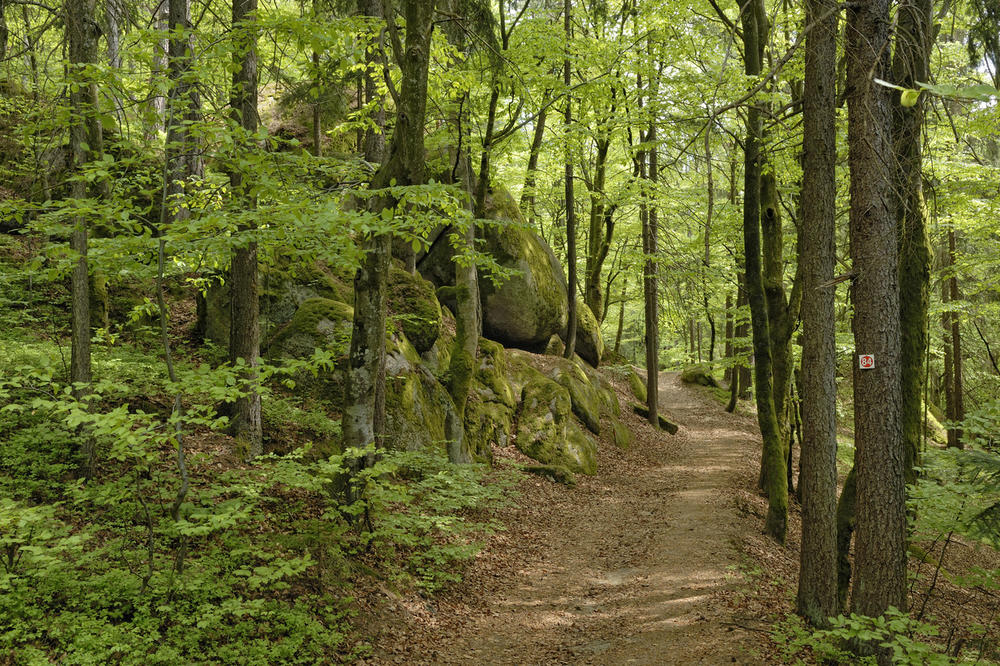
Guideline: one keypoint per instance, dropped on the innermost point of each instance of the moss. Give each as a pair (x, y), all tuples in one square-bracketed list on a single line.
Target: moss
[(491, 374), (319, 322), (556, 473), (530, 306), (417, 407), (637, 386), (585, 400), (546, 431), (621, 434), (699, 374), (665, 423), (556, 347), (414, 308), (589, 344), (487, 424)]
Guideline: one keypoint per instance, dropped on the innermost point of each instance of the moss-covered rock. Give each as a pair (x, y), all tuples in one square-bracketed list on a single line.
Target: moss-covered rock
[(621, 434), (586, 402), (527, 309), (699, 374), (319, 323), (491, 383), (665, 423), (547, 432), (637, 385), (556, 473), (416, 404), (414, 308), (555, 347), (437, 359), (487, 424), (589, 344), (605, 392)]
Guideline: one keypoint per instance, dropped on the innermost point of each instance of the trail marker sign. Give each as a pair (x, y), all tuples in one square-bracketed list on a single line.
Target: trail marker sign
[(866, 361)]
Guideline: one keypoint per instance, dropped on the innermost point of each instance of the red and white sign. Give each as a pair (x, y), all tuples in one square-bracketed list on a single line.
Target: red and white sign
[(866, 361)]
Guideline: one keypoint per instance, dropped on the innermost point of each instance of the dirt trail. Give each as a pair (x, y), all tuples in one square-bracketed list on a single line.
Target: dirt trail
[(635, 566)]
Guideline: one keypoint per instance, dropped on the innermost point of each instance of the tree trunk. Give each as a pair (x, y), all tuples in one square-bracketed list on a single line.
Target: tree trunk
[(754, 37), (621, 317), (570, 202), (601, 228), (817, 599), (956, 348), (706, 265), (880, 553), (727, 375), (911, 63), (244, 332), (85, 145), (373, 141), (948, 346), (529, 191), (364, 412), (650, 285), (158, 102)]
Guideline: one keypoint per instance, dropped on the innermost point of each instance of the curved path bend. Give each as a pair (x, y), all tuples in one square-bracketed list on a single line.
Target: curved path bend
[(635, 566)]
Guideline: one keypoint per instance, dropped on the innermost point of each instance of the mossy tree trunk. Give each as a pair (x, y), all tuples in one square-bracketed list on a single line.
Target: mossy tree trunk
[(817, 598), (602, 225), (570, 198), (404, 162), (880, 552), (85, 139), (782, 312), (754, 24), (958, 395), (911, 63), (244, 337), (529, 192)]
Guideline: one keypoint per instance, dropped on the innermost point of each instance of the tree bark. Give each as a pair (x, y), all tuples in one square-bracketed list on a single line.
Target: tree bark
[(911, 63), (85, 145), (754, 25), (244, 332), (570, 201), (529, 192), (817, 599), (363, 422), (728, 374), (956, 346), (880, 553)]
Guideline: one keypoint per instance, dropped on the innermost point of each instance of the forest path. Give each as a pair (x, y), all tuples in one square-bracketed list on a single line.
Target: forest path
[(634, 566)]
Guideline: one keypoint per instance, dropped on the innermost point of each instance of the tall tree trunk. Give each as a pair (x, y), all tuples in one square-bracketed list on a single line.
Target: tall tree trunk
[(601, 228), (728, 374), (244, 332), (570, 200), (158, 102), (529, 191), (184, 108), (948, 346), (880, 553), (85, 145), (706, 264), (911, 63), (364, 413), (817, 599), (754, 24), (373, 141), (650, 283), (956, 342), (621, 317)]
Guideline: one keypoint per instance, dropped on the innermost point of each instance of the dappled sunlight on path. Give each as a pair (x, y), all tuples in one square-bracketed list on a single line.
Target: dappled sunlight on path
[(631, 567)]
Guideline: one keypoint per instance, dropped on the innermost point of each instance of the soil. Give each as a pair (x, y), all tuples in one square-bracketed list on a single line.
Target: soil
[(637, 565)]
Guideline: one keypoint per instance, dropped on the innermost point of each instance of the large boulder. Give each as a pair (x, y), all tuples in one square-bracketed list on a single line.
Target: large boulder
[(547, 432), (530, 306), (417, 406), (585, 399), (589, 344), (319, 323), (490, 410), (414, 308)]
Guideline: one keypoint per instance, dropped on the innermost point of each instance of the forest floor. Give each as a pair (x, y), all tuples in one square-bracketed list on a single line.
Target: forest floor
[(642, 564)]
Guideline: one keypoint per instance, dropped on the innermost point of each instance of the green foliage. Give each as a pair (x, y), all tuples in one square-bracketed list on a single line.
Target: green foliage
[(903, 637)]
